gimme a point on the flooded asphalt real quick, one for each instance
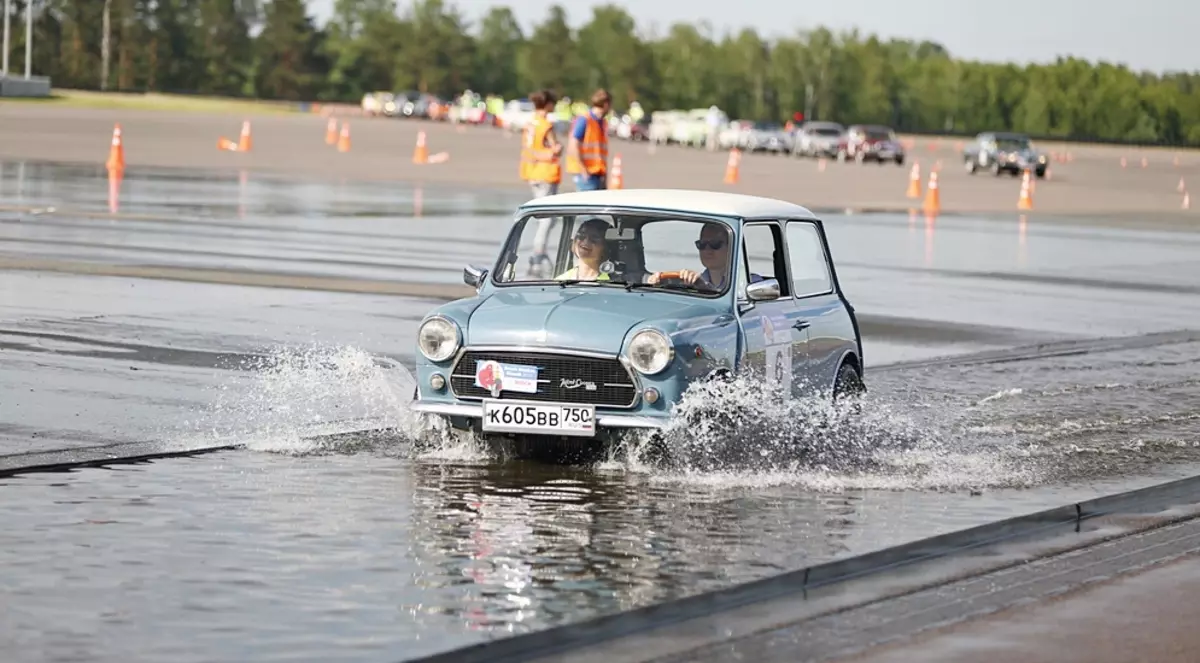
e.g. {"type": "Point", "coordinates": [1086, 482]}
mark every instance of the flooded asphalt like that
{"type": "Point", "coordinates": [312, 541]}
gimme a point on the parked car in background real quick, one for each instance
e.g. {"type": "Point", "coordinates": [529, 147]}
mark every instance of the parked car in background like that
{"type": "Point", "coordinates": [818, 139]}
{"type": "Point", "coordinates": [372, 102]}
{"type": "Point", "coordinates": [769, 137]}
{"type": "Point", "coordinates": [516, 114]}
{"type": "Point", "coordinates": [870, 142]}
{"type": "Point", "coordinates": [559, 354]}
{"type": "Point", "coordinates": [1003, 152]}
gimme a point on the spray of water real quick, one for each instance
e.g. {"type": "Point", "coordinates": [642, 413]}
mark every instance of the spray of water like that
{"type": "Point", "coordinates": [320, 400]}
{"type": "Point", "coordinates": [744, 432]}
{"type": "Point", "coordinates": [315, 400]}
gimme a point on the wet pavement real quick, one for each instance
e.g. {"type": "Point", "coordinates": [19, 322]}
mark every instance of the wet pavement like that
{"type": "Point", "coordinates": [352, 546]}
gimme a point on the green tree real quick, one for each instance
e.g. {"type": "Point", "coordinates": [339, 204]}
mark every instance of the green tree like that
{"type": "Point", "coordinates": [286, 61]}
{"type": "Point", "coordinates": [497, 52]}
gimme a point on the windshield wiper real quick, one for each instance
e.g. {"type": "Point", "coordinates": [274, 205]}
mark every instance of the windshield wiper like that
{"type": "Point", "coordinates": [665, 286]}
{"type": "Point", "coordinates": [566, 282]}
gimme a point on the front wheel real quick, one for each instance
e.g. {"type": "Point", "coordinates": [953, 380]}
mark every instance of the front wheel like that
{"type": "Point", "coordinates": [849, 383]}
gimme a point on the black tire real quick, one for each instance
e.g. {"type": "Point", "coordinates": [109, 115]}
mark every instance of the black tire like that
{"type": "Point", "coordinates": [899, 161]}
{"type": "Point", "coordinates": [849, 383]}
{"type": "Point", "coordinates": [997, 170]}
{"type": "Point", "coordinates": [1041, 174]}
{"type": "Point", "coordinates": [971, 166]}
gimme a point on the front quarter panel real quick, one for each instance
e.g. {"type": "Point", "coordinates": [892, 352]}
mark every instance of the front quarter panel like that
{"type": "Point", "coordinates": [704, 344]}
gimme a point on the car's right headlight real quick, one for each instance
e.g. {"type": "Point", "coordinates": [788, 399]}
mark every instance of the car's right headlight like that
{"type": "Point", "coordinates": [650, 351]}
{"type": "Point", "coordinates": [438, 339]}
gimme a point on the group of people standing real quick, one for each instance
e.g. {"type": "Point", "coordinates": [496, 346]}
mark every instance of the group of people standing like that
{"type": "Point", "coordinates": [586, 148]}
{"type": "Point", "coordinates": [586, 154]}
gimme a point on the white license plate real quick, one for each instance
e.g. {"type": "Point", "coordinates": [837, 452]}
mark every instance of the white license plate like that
{"type": "Point", "coordinates": [503, 416]}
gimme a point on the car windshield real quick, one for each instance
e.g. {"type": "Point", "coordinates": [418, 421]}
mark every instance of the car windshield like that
{"type": "Point", "coordinates": [768, 126]}
{"type": "Point", "coordinates": [879, 133]}
{"type": "Point", "coordinates": [1012, 142]}
{"type": "Point", "coordinates": [827, 131]}
{"type": "Point", "coordinates": [641, 251]}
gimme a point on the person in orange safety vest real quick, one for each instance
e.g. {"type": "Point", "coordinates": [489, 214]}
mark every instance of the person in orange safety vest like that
{"type": "Point", "coordinates": [587, 150]}
{"type": "Point", "coordinates": [540, 150]}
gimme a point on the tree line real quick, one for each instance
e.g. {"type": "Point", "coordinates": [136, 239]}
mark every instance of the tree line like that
{"type": "Point", "coordinates": [273, 49]}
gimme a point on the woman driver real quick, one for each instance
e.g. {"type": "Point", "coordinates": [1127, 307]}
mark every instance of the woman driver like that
{"type": "Point", "coordinates": [588, 247]}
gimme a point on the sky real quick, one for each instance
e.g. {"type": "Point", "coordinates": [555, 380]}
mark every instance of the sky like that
{"type": "Point", "coordinates": [1153, 35]}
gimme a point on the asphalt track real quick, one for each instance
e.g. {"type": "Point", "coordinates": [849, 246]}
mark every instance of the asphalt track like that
{"type": "Point", "coordinates": [1093, 186]}
{"type": "Point", "coordinates": [939, 599]}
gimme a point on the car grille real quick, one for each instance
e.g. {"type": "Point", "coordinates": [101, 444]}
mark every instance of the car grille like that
{"type": "Point", "coordinates": [614, 385]}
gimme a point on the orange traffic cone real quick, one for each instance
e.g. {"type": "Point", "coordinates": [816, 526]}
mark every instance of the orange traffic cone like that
{"type": "Point", "coordinates": [421, 152]}
{"type": "Point", "coordinates": [1124, 163]}
{"type": "Point", "coordinates": [1187, 201]}
{"type": "Point", "coordinates": [331, 132]}
{"type": "Point", "coordinates": [116, 153]}
{"type": "Point", "coordinates": [244, 140]}
{"type": "Point", "coordinates": [1026, 199]}
{"type": "Point", "coordinates": [615, 179]}
{"type": "Point", "coordinates": [733, 166]}
{"type": "Point", "coordinates": [1181, 187]}
{"type": "Point", "coordinates": [914, 181]}
{"type": "Point", "coordinates": [226, 145]}
{"type": "Point", "coordinates": [821, 165]}
{"type": "Point", "coordinates": [343, 144]}
{"type": "Point", "coordinates": [933, 197]}
{"type": "Point", "coordinates": [1145, 162]}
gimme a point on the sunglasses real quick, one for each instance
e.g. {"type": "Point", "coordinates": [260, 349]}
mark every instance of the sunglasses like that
{"type": "Point", "coordinates": [714, 244]}
{"type": "Point", "coordinates": [590, 237]}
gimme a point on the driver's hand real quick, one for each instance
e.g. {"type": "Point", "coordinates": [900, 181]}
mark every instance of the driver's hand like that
{"type": "Point", "coordinates": [652, 279]}
{"type": "Point", "coordinates": [689, 277]}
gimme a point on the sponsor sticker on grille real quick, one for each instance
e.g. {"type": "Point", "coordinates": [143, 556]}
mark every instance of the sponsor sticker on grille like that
{"type": "Point", "coordinates": [497, 377]}
{"type": "Point", "coordinates": [539, 418]}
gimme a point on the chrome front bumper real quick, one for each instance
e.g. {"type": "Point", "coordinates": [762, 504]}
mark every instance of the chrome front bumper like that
{"type": "Point", "coordinates": [603, 420]}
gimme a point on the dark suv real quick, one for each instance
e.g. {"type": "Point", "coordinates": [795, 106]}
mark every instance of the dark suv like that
{"type": "Point", "coordinates": [1003, 153]}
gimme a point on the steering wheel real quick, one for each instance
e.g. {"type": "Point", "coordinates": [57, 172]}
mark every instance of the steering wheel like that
{"type": "Point", "coordinates": [700, 283]}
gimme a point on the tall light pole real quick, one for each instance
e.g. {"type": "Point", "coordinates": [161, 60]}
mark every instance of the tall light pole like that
{"type": "Point", "coordinates": [28, 39]}
{"type": "Point", "coordinates": [4, 72]}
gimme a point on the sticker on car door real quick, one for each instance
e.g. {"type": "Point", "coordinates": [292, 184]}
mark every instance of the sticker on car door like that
{"type": "Point", "coordinates": [777, 339]}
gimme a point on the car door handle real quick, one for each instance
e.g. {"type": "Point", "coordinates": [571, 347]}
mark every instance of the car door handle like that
{"type": "Point", "coordinates": [801, 324]}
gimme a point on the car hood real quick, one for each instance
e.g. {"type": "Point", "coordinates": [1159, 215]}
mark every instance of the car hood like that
{"type": "Point", "coordinates": [589, 318]}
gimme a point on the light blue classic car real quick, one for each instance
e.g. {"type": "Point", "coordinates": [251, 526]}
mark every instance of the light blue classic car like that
{"type": "Point", "coordinates": [604, 306]}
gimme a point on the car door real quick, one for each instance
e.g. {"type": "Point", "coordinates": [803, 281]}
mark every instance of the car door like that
{"type": "Point", "coordinates": [821, 312]}
{"type": "Point", "coordinates": [775, 339]}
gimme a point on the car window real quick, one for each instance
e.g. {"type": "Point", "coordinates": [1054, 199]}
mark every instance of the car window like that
{"type": "Point", "coordinates": [762, 256]}
{"type": "Point", "coordinates": [626, 248]}
{"type": "Point", "coordinates": [809, 263]}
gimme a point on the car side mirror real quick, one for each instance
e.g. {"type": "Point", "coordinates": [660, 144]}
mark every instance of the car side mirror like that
{"type": "Point", "coordinates": [762, 291]}
{"type": "Point", "coordinates": [474, 276]}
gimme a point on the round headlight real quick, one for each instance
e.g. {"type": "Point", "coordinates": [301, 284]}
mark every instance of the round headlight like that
{"type": "Point", "coordinates": [650, 351]}
{"type": "Point", "coordinates": [438, 339]}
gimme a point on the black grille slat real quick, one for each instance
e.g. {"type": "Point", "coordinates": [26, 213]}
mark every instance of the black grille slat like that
{"type": "Point", "coordinates": [614, 386]}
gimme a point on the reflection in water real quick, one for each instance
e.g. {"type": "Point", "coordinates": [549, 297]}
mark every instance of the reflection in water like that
{"type": "Point", "coordinates": [531, 544]}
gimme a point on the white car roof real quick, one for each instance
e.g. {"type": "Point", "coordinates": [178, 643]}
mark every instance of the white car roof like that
{"type": "Point", "coordinates": [677, 200]}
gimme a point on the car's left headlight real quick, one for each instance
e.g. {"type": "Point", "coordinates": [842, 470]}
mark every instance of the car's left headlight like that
{"type": "Point", "coordinates": [438, 339]}
{"type": "Point", "coordinates": [650, 351]}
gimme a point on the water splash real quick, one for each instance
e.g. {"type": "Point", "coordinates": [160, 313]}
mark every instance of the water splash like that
{"type": "Point", "coordinates": [316, 400]}
{"type": "Point", "coordinates": [742, 432]}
